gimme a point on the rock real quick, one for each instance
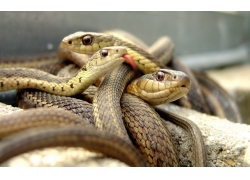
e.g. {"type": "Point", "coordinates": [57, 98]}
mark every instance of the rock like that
{"type": "Point", "coordinates": [227, 143]}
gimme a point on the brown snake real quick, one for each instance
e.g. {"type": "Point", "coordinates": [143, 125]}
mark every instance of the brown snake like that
{"type": "Point", "coordinates": [140, 65]}
{"type": "Point", "coordinates": [150, 157]}
{"type": "Point", "coordinates": [73, 132]}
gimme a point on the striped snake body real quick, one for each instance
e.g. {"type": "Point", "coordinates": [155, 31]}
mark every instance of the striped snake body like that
{"type": "Point", "coordinates": [73, 132]}
{"type": "Point", "coordinates": [141, 121]}
{"type": "Point", "coordinates": [99, 64]}
{"type": "Point", "coordinates": [88, 42]}
{"type": "Point", "coordinates": [142, 127]}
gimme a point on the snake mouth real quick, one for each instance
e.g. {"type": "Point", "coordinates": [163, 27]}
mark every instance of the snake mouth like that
{"type": "Point", "coordinates": [130, 61]}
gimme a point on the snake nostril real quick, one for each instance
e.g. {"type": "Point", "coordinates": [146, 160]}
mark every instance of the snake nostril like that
{"type": "Point", "coordinates": [69, 42]}
{"type": "Point", "coordinates": [185, 82]}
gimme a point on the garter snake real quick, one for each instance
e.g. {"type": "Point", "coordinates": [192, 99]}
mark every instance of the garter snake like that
{"type": "Point", "coordinates": [90, 42]}
{"type": "Point", "coordinates": [87, 42]}
{"type": "Point", "coordinates": [152, 128]}
{"type": "Point", "coordinates": [73, 132]}
{"type": "Point", "coordinates": [171, 84]}
{"type": "Point", "coordinates": [100, 63]}
{"type": "Point", "coordinates": [143, 61]}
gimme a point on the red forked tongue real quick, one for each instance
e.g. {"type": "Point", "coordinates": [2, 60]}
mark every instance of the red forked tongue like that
{"type": "Point", "coordinates": [130, 61]}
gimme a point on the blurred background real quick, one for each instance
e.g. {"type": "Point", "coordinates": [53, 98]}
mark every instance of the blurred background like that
{"type": "Point", "coordinates": [203, 40]}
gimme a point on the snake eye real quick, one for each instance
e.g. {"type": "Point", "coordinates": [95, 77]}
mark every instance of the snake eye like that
{"type": "Point", "coordinates": [87, 40]}
{"type": "Point", "coordinates": [160, 76]}
{"type": "Point", "coordinates": [104, 52]}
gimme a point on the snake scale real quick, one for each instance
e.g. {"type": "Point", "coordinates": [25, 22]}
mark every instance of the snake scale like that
{"type": "Point", "coordinates": [141, 121]}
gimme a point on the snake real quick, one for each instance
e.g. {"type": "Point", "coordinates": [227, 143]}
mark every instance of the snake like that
{"type": "Point", "coordinates": [142, 64]}
{"type": "Point", "coordinates": [89, 42]}
{"type": "Point", "coordinates": [82, 42]}
{"type": "Point", "coordinates": [152, 158]}
{"type": "Point", "coordinates": [99, 64]}
{"type": "Point", "coordinates": [7, 126]}
{"type": "Point", "coordinates": [73, 132]}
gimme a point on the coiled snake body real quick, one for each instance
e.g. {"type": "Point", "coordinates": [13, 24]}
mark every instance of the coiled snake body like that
{"type": "Point", "coordinates": [156, 87]}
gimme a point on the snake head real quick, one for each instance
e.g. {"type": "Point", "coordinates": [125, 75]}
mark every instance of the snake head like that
{"type": "Point", "coordinates": [87, 42]}
{"type": "Point", "coordinates": [109, 57]}
{"type": "Point", "coordinates": [162, 86]}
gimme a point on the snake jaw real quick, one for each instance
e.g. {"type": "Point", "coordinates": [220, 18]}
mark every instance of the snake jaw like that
{"type": "Point", "coordinates": [130, 61]}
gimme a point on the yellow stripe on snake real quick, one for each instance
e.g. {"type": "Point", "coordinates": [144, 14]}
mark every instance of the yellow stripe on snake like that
{"type": "Point", "coordinates": [197, 98]}
{"type": "Point", "coordinates": [100, 63]}
{"type": "Point", "coordinates": [157, 84]}
{"type": "Point", "coordinates": [88, 43]}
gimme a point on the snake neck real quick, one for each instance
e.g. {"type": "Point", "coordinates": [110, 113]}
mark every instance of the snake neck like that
{"type": "Point", "coordinates": [106, 102]}
{"type": "Point", "coordinates": [145, 62]}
